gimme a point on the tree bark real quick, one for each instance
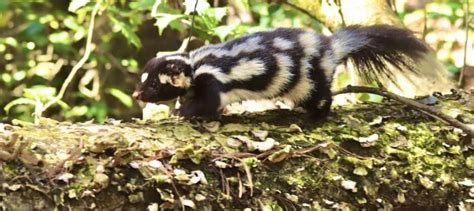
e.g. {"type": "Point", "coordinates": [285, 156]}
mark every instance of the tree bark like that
{"type": "Point", "coordinates": [366, 156]}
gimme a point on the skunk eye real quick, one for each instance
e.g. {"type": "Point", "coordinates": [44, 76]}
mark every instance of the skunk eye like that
{"type": "Point", "coordinates": [170, 66]}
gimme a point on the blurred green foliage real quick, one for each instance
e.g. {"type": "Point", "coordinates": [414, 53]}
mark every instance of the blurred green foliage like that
{"type": "Point", "coordinates": [41, 40]}
{"type": "Point", "coordinates": [442, 24]}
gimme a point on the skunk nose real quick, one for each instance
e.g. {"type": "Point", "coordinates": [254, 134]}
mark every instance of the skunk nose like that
{"type": "Point", "coordinates": [137, 95]}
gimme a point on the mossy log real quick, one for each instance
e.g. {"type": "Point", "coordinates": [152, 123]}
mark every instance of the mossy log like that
{"type": "Point", "coordinates": [377, 155]}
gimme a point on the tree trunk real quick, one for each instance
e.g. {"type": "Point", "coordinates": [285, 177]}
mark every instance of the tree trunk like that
{"type": "Point", "coordinates": [367, 156]}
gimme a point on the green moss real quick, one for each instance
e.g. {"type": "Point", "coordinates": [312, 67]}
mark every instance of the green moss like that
{"type": "Point", "coordinates": [415, 160]}
{"type": "Point", "coordinates": [470, 162]}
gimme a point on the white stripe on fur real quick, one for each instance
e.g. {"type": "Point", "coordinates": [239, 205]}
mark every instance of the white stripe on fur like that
{"type": "Point", "coordinates": [250, 45]}
{"type": "Point", "coordinates": [215, 71]}
{"type": "Point", "coordinates": [310, 43]}
{"type": "Point", "coordinates": [178, 57]}
{"type": "Point", "coordinates": [302, 90]}
{"type": "Point", "coordinates": [144, 77]}
{"type": "Point", "coordinates": [246, 69]}
{"type": "Point", "coordinates": [282, 44]}
{"type": "Point", "coordinates": [279, 81]}
{"type": "Point", "coordinates": [328, 64]}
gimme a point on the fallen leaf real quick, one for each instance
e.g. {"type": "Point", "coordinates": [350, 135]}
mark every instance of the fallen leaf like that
{"type": "Point", "coordinates": [349, 185]}
{"type": "Point", "coordinates": [260, 134]}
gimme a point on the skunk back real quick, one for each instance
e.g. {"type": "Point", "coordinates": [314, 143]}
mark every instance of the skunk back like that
{"type": "Point", "coordinates": [277, 63]}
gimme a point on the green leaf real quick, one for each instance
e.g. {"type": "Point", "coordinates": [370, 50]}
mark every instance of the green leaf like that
{"type": "Point", "coordinates": [63, 105]}
{"type": "Point", "coordinates": [242, 3]}
{"type": "Point", "coordinates": [154, 8]}
{"type": "Point", "coordinates": [144, 4]}
{"type": "Point", "coordinates": [200, 7]}
{"type": "Point", "coordinates": [76, 4]}
{"type": "Point", "coordinates": [62, 37]}
{"type": "Point", "coordinates": [223, 31]}
{"type": "Point", "coordinates": [19, 101]}
{"type": "Point", "coordinates": [33, 28]}
{"type": "Point", "coordinates": [97, 110]}
{"type": "Point", "coordinates": [163, 20]}
{"type": "Point", "coordinates": [131, 35]}
{"type": "Point", "coordinates": [274, 8]}
{"type": "Point", "coordinates": [43, 93]}
{"type": "Point", "coordinates": [216, 13]}
{"type": "Point", "coordinates": [71, 23]}
{"type": "Point", "coordinates": [9, 41]}
{"type": "Point", "coordinates": [121, 96]}
{"type": "Point", "coordinates": [127, 31]}
{"type": "Point", "coordinates": [76, 111]}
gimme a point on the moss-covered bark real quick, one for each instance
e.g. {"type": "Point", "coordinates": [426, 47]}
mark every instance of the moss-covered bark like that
{"type": "Point", "coordinates": [365, 156]}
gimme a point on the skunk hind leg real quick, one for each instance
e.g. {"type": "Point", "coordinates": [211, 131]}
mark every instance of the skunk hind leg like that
{"type": "Point", "coordinates": [319, 104]}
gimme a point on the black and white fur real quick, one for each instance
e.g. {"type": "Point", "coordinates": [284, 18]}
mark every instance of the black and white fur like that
{"type": "Point", "coordinates": [292, 64]}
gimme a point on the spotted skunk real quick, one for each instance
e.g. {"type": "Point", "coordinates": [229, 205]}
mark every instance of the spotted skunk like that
{"type": "Point", "coordinates": [292, 64]}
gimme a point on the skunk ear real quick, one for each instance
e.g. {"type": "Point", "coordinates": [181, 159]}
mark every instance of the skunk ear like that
{"type": "Point", "coordinates": [172, 69]}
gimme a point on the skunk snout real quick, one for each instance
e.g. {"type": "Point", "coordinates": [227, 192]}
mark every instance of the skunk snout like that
{"type": "Point", "coordinates": [137, 95]}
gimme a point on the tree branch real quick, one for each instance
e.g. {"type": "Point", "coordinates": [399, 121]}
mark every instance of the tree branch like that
{"type": "Point", "coordinates": [431, 111]}
{"type": "Point", "coordinates": [303, 11]}
{"type": "Point", "coordinates": [79, 64]}
{"type": "Point", "coordinates": [466, 27]}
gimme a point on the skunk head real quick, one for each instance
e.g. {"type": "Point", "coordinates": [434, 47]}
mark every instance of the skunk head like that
{"type": "Point", "coordinates": [164, 78]}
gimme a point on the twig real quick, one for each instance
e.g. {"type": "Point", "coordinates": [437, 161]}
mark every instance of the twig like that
{"type": "Point", "coordinates": [347, 152]}
{"type": "Point", "coordinates": [241, 187]}
{"type": "Point", "coordinates": [392, 5]}
{"type": "Point", "coordinates": [223, 178]}
{"type": "Point", "coordinates": [235, 156]}
{"type": "Point", "coordinates": [74, 155]}
{"type": "Point", "coordinates": [339, 9]}
{"type": "Point", "coordinates": [163, 169]}
{"type": "Point", "coordinates": [286, 203]}
{"type": "Point", "coordinates": [329, 145]}
{"type": "Point", "coordinates": [303, 11]}
{"type": "Point", "coordinates": [466, 27]}
{"type": "Point", "coordinates": [248, 172]}
{"type": "Point", "coordinates": [192, 23]}
{"type": "Point", "coordinates": [425, 23]}
{"type": "Point", "coordinates": [79, 64]}
{"type": "Point", "coordinates": [433, 112]}
{"type": "Point", "coordinates": [227, 187]}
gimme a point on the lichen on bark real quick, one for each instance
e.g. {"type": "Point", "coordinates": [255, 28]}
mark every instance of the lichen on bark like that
{"type": "Point", "coordinates": [362, 156]}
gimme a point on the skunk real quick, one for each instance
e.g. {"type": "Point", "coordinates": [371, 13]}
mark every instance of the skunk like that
{"type": "Point", "coordinates": [286, 63]}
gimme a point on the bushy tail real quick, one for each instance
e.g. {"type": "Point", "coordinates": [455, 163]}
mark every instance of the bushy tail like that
{"type": "Point", "coordinates": [371, 48]}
